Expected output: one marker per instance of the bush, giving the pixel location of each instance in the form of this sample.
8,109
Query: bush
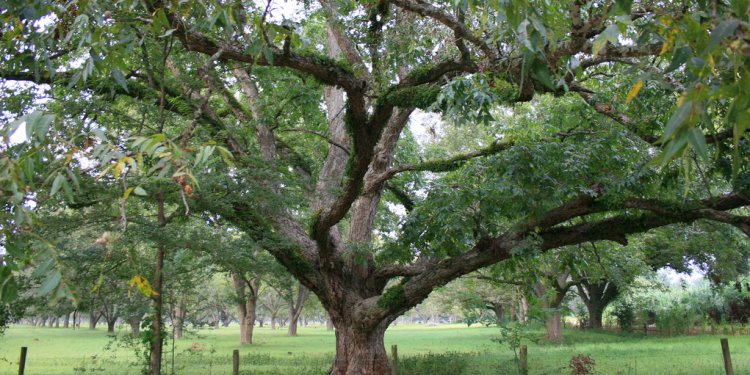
582,365
625,315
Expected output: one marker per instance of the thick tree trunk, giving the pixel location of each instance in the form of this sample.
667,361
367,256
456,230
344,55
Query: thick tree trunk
553,323
111,325
66,320
499,312
135,325
292,330
157,342
247,322
597,296
595,315
273,321
247,301
360,353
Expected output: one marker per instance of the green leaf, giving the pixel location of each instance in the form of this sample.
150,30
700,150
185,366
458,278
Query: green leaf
268,54
50,282
698,142
140,191
120,79
679,117
9,291
623,6
56,184
43,267
723,30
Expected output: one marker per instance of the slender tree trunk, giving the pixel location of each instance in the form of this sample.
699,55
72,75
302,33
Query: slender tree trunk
273,321
296,309
179,319
93,319
66,320
523,311
329,324
157,341
260,322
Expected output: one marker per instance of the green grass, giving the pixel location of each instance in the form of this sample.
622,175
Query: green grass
449,349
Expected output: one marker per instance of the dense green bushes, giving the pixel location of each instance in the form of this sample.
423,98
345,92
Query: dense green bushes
681,310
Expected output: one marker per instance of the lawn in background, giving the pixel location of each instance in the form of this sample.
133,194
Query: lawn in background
445,349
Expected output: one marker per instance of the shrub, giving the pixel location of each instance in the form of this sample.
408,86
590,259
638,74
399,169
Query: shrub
625,315
582,364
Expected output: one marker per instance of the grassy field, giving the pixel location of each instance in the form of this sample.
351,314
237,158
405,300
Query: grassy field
448,349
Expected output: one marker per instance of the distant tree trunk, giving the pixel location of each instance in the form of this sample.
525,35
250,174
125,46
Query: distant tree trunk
179,319
273,321
553,323
111,325
329,324
247,298
597,296
552,301
66,320
499,311
57,322
523,311
295,309
260,321
93,318
135,325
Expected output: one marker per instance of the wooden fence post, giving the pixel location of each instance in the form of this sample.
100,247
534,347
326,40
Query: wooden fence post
236,362
394,359
22,362
523,365
727,358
